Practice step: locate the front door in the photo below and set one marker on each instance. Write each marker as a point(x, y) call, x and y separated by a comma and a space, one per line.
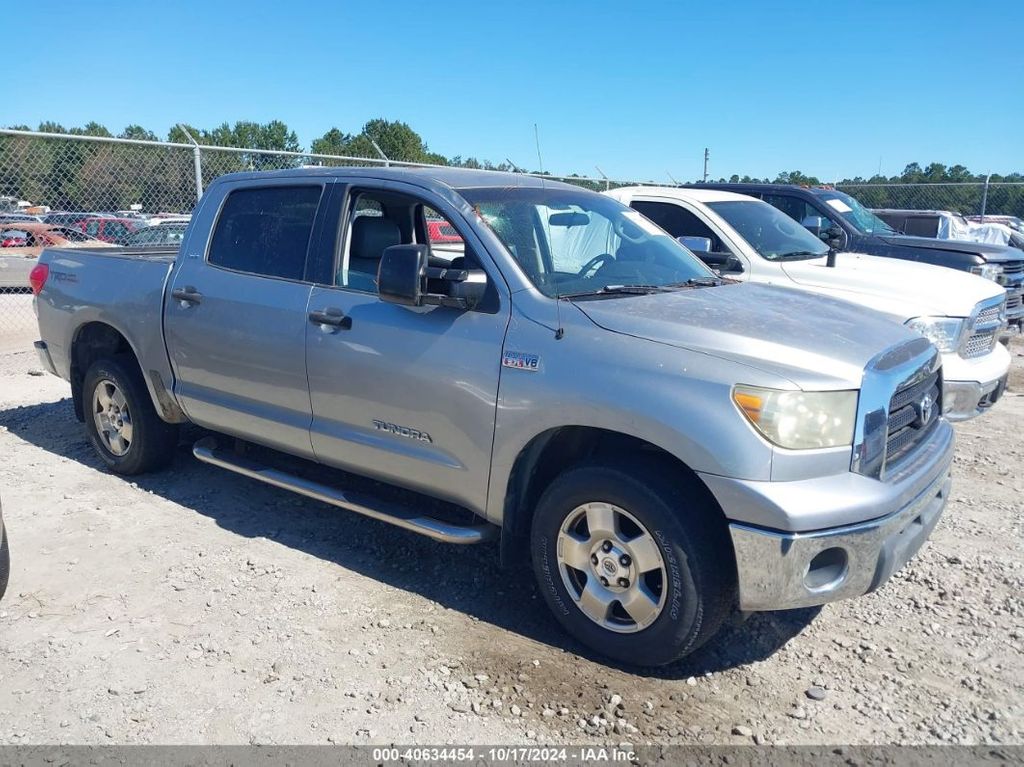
point(404, 394)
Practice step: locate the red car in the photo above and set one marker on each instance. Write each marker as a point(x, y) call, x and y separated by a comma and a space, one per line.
point(442, 231)
point(109, 229)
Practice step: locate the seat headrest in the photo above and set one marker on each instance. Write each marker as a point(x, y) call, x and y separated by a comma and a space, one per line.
point(371, 235)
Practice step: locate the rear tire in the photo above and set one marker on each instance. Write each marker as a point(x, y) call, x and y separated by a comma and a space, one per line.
point(5, 563)
point(122, 424)
point(634, 560)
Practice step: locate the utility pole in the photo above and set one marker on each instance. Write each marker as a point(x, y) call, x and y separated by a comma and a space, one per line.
point(536, 136)
point(707, 155)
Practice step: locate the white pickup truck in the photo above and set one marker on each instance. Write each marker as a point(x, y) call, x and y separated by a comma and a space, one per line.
point(747, 239)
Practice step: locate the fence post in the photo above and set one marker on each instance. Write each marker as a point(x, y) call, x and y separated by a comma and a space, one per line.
point(984, 198)
point(197, 158)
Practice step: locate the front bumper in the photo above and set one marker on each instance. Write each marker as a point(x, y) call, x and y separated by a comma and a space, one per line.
point(779, 569)
point(971, 386)
point(967, 399)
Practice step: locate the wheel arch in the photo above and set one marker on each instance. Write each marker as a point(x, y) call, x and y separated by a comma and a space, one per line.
point(555, 450)
point(97, 339)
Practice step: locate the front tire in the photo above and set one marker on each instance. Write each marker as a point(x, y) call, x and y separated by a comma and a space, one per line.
point(120, 420)
point(633, 564)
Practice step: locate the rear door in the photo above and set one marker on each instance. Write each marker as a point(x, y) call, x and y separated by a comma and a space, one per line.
point(404, 394)
point(235, 318)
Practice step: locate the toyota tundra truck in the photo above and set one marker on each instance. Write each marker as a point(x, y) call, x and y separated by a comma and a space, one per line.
point(664, 446)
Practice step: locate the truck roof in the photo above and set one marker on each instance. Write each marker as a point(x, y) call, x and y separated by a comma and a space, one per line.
point(454, 178)
point(762, 187)
point(696, 194)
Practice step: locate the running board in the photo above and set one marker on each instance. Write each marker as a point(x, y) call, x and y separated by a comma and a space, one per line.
point(206, 450)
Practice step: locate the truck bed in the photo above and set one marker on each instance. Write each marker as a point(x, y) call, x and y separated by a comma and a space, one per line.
point(119, 287)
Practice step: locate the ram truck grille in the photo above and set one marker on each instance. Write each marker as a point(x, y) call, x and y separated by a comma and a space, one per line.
point(984, 331)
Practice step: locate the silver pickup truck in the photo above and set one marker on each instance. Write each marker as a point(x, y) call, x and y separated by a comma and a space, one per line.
point(471, 355)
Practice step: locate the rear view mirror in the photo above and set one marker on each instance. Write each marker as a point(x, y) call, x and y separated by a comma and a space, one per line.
point(400, 274)
point(569, 218)
point(696, 244)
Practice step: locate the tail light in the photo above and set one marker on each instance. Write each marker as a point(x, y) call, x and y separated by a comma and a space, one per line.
point(37, 277)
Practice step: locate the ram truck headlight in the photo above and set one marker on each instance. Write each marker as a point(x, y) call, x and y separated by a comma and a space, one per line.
point(944, 332)
point(799, 420)
point(988, 271)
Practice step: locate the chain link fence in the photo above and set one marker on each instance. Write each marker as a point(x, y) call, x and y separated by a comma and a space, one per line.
point(106, 189)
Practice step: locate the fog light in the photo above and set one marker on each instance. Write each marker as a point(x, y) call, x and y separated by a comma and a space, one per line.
point(827, 570)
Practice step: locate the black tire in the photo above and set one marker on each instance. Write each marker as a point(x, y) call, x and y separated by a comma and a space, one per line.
point(153, 440)
point(699, 584)
point(5, 563)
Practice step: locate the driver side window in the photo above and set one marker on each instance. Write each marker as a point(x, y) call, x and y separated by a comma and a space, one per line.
point(679, 222)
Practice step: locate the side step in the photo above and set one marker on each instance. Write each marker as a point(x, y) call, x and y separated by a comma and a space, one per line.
point(206, 450)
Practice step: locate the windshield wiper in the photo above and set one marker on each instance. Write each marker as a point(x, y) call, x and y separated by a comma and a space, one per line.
point(699, 282)
point(799, 254)
point(629, 290)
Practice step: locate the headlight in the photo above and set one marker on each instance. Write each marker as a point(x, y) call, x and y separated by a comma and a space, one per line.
point(944, 332)
point(988, 271)
point(799, 420)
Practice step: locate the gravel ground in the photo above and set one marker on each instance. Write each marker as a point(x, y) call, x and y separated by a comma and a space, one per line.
point(195, 606)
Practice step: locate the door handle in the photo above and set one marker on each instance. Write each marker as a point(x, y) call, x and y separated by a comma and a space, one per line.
point(187, 295)
point(332, 318)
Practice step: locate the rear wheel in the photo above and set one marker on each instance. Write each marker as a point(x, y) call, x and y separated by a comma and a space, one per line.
point(635, 566)
point(5, 563)
point(120, 419)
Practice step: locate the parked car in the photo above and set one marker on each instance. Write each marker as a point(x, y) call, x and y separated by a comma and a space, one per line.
point(748, 239)
point(666, 446)
point(70, 218)
point(838, 217)
point(946, 225)
point(108, 229)
point(21, 243)
point(28, 218)
point(156, 236)
point(5, 556)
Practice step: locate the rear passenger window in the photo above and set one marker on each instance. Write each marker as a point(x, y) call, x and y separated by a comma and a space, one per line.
point(266, 231)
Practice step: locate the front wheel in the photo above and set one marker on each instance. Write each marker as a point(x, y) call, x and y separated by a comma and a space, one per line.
point(122, 424)
point(634, 565)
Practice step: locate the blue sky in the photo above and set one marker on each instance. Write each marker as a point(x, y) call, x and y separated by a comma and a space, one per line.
point(832, 89)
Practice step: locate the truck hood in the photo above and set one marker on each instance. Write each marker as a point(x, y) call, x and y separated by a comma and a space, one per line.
point(901, 289)
point(815, 342)
point(993, 253)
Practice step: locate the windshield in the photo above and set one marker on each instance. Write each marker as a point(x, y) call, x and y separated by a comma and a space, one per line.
point(768, 230)
point(859, 217)
point(573, 242)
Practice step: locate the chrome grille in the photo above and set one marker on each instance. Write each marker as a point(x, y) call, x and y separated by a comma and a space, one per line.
point(1013, 267)
point(984, 330)
point(979, 344)
point(909, 420)
point(1014, 301)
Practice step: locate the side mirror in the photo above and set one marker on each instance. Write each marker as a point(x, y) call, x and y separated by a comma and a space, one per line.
point(696, 244)
point(400, 274)
point(835, 237)
point(815, 225)
point(404, 275)
point(722, 262)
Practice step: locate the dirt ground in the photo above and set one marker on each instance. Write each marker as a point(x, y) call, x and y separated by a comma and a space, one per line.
point(196, 606)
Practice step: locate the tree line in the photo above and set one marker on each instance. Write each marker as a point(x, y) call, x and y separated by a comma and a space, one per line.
point(111, 176)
